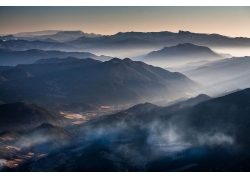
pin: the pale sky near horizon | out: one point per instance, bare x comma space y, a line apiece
229, 21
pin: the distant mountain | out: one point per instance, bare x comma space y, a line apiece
195, 100
181, 54
22, 116
122, 40
158, 39
36, 33
9, 57
211, 40
184, 102
225, 75
112, 82
23, 45
63, 36
188, 66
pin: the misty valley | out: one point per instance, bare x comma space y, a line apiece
130, 102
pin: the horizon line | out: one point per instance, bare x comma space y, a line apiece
127, 32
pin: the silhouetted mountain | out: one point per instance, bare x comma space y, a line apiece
139, 108
147, 111
180, 54
115, 81
17, 116
9, 57
186, 102
158, 39
195, 100
227, 115
123, 40
211, 40
68, 35
36, 33
51, 65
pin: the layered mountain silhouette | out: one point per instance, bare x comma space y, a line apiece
9, 57
222, 114
121, 40
63, 36
112, 82
151, 111
181, 54
23, 116
36, 33
207, 136
226, 75
158, 39
211, 121
211, 40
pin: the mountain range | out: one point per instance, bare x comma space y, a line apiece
181, 54
111, 82
78, 40
209, 135
220, 76
12, 58
184, 106
158, 39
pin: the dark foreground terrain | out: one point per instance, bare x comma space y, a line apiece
199, 134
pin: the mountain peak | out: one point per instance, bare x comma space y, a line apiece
184, 32
139, 108
185, 44
45, 126
203, 96
127, 59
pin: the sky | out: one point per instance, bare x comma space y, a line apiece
229, 21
